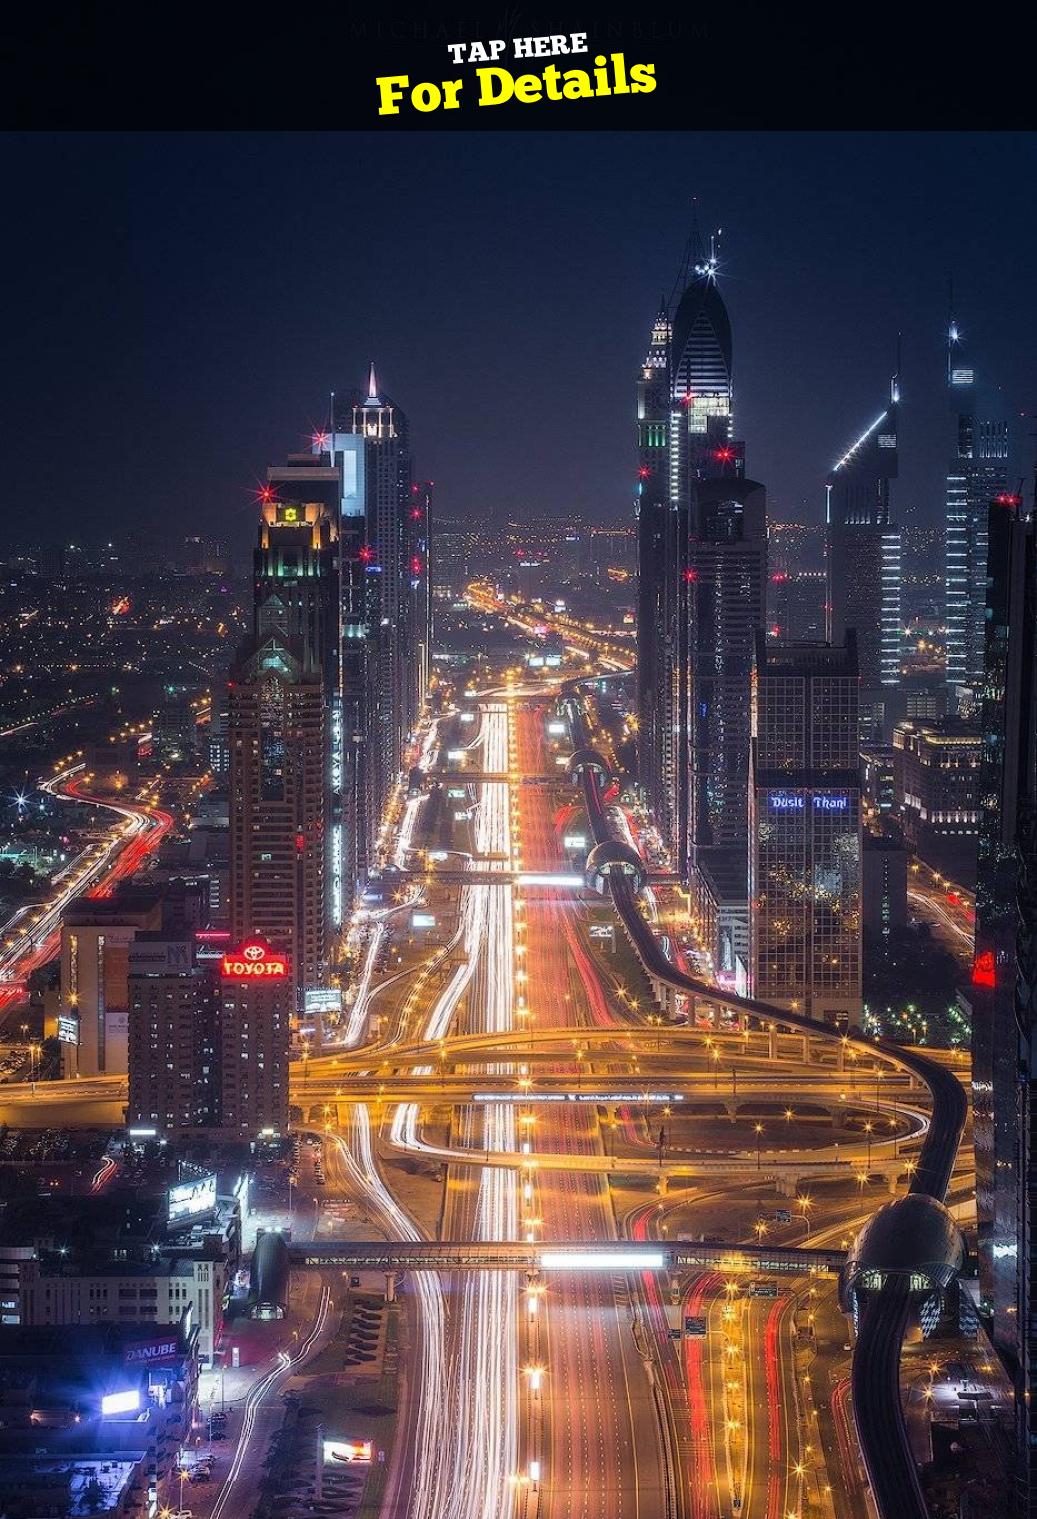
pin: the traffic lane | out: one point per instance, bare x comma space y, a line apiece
599, 1411
602, 1423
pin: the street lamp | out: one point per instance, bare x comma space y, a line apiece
759, 1130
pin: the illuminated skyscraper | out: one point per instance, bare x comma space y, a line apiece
727, 572
978, 472
280, 707
1004, 978
385, 607
702, 572
661, 596
863, 563
805, 830
418, 558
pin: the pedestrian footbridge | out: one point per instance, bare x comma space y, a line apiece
582, 1256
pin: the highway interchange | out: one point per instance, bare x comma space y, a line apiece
569, 1394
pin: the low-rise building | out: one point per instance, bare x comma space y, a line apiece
720, 899
96, 934
97, 1261
99, 1410
55, 1290
937, 780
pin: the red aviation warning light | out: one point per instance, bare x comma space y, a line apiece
983, 973
725, 455
266, 493
366, 554
254, 961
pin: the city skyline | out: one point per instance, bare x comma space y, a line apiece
199, 316
493, 987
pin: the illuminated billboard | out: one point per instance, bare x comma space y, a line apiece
191, 1199
254, 961
121, 1402
612, 1260
337, 1452
323, 999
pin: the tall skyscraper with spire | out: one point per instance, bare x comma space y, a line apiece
662, 596
384, 608
862, 549
702, 544
978, 471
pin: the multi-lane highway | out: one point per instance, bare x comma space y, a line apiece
877, 1406
29, 938
537, 1392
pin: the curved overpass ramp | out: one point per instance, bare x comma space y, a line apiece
886, 1310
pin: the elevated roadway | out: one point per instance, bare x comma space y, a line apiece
877, 1405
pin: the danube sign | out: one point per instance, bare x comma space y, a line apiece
152, 1351
253, 961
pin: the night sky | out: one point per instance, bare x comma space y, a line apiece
177, 308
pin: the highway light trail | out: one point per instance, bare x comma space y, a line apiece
468, 1462
431, 1432
485, 1366
30, 937
257, 1394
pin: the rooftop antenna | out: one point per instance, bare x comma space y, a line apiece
953, 335
692, 256
894, 384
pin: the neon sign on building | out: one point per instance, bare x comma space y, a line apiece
254, 961
790, 801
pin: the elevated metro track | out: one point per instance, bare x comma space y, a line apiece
875, 1373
